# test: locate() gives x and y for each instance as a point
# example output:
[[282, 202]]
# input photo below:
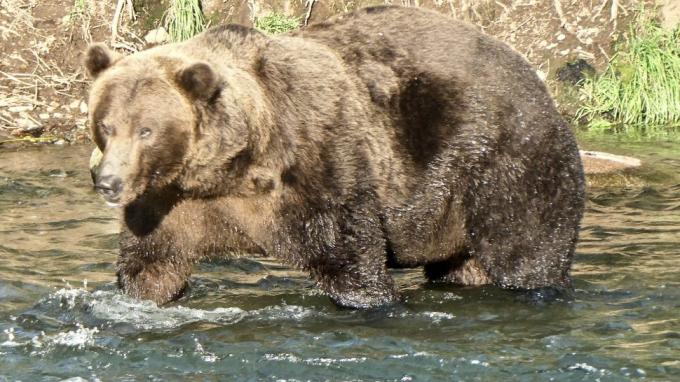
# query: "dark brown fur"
[[389, 136]]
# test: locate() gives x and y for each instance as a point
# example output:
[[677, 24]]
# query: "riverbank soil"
[[43, 86]]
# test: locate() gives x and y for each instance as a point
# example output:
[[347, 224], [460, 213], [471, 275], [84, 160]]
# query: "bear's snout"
[[109, 187]]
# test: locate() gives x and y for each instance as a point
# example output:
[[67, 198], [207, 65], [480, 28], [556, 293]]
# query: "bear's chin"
[[123, 199]]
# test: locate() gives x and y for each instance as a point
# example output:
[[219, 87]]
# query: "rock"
[[44, 116], [596, 162], [541, 74], [81, 123], [26, 124], [83, 107], [586, 35], [19, 109], [157, 36], [73, 105], [210, 6], [575, 71], [584, 55]]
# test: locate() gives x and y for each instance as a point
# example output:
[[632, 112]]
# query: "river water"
[[245, 320]]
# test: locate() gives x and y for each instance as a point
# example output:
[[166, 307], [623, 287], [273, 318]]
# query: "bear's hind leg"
[[459, 269]]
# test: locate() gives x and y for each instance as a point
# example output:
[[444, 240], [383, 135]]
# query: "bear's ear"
[[199, 80], [98, 58]]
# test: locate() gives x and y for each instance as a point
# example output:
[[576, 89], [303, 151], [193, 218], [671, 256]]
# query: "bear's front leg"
[[359, 285], [351, 265], [148, 272]]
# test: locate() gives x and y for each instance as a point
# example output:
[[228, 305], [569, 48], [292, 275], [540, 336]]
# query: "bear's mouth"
[[111, 200], [109, 191]]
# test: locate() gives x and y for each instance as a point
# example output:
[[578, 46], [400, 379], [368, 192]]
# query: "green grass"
[[80, 8], [638, 94], [184, 19], [275, 23]]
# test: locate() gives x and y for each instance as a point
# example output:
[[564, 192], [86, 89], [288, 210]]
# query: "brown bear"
[[387, 137]]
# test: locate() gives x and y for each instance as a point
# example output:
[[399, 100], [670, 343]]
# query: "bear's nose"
[[108, 186]]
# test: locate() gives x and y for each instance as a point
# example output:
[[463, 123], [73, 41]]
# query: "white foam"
[[283, 357], [68, 296], [325, 361], [286, 312], [478, 362], [316, 361], [205, 355], [78, 338], [437, 317], [146, 315], [587, 368], [10, 343]]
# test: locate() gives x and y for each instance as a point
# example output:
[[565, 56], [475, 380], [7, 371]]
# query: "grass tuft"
[[184, 19], [275, 23], [80, 9], [638, 94], [79, 6]]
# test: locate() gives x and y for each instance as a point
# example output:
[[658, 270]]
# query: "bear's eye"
[[144, 132], [106, 129]]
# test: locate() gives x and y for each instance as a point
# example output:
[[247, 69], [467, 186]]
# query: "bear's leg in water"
[[161, 279], [349, 262], [460, 269]]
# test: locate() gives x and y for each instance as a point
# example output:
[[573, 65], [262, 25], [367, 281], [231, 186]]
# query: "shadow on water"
[[254, 319]]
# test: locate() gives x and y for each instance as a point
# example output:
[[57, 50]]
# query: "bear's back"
[[432, 73]]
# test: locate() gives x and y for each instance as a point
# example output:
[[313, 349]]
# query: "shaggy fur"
[[388, 137]]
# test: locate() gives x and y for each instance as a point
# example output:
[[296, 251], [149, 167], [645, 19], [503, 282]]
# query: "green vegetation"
[[184, 19], [275, 23], [31, 139], [638, 95], [80, 8]]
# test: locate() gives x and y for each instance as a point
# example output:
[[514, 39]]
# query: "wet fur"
[[389, 136]]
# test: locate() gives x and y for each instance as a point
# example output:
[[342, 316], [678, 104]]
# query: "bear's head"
[[165, 121]]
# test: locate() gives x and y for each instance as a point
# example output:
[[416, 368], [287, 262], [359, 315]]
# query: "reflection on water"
[[61, 316]]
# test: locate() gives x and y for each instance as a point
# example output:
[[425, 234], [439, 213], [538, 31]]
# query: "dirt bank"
[[43, 88]]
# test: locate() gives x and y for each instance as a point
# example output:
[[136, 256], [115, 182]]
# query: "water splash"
[[113, 307]]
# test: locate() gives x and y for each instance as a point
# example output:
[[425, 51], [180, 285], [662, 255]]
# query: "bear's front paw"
[[145, 286]]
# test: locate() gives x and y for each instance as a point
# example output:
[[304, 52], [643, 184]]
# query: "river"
[[61, 316]]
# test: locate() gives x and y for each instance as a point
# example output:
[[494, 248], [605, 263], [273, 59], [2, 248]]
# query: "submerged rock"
[[596, 162], [610, 171]]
